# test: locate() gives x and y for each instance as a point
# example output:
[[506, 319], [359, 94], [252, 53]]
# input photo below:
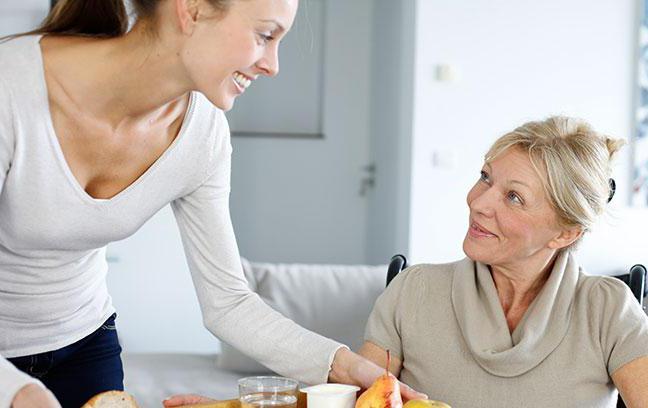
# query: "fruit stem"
[[388, 361]]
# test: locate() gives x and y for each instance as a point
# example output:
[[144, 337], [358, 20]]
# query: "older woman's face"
[[511, 219]]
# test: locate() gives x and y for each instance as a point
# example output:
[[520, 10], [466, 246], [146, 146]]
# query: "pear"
[[383, 393], [425, 404]]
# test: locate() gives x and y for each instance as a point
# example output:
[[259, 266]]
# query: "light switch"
[[443, 159], [446, 73]]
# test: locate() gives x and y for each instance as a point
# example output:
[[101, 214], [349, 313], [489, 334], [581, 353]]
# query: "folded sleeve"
[[11, 381], [623, 323], [231, 311]]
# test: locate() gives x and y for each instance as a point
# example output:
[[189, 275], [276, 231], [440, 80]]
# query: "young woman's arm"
[[231, 311]]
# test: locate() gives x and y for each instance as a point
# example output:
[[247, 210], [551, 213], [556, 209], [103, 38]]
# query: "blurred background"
[[367, 142]]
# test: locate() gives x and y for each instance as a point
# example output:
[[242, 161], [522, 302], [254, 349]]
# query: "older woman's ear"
[[566, 238]]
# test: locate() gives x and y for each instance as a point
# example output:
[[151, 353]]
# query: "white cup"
[[331, 396]]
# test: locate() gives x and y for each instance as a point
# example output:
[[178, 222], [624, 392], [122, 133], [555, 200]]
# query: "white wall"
[[20, 16], [617, 243], [515, 61]]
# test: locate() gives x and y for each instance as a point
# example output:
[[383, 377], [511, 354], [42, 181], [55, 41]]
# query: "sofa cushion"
[[332, 300]]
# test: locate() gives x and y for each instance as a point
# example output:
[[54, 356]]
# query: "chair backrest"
[[636, 280], [398, 263]]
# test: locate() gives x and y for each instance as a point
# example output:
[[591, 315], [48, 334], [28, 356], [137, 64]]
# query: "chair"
[[397, 263], [635, 279]]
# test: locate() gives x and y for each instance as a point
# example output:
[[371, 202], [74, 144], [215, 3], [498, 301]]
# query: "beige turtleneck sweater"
[[448, 328]]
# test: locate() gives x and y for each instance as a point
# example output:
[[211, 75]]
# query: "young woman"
[[99, 129]]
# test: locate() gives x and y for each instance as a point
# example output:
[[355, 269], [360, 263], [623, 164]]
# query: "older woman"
[[517, 323]]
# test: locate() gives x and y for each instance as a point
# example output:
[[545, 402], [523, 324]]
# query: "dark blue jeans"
[[77, 372]]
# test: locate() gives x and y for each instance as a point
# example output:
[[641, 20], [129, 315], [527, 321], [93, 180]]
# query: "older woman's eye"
[[483, 176], [514, 198]]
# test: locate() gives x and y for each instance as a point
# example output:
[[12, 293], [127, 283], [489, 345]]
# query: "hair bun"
[[614, 145]]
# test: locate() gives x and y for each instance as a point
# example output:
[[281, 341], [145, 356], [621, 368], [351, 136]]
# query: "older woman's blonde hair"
[[574, 162]]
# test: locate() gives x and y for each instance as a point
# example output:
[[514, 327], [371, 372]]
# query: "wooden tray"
[[234, 403]]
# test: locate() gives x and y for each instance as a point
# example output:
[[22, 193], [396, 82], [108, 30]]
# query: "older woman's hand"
[[351, 368]]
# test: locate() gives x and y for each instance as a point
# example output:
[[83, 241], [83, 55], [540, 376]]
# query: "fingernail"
[[166, 399]]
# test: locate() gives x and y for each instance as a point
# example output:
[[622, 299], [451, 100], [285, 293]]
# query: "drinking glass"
[[267, 391]]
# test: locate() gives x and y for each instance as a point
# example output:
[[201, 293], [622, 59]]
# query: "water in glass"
[[264, 399]]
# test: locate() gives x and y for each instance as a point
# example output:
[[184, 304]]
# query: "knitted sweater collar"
[[482, 322]]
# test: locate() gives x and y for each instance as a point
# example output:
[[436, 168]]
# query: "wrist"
[[341, 367], [351, 368]]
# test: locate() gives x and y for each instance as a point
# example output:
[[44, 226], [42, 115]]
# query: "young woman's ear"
[[566, 238], [187, 14]]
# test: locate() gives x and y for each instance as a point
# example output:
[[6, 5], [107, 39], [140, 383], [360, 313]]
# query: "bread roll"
[[112, 399]]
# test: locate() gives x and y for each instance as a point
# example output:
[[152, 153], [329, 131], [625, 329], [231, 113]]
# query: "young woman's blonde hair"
[[574, 162]]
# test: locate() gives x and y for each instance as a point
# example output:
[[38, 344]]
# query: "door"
[[305, 199]]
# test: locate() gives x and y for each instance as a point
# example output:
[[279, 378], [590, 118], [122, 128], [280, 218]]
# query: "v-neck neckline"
[[54, 140]]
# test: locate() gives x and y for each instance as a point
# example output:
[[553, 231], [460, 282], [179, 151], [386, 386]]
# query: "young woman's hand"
[[185, 399], [34, 396]]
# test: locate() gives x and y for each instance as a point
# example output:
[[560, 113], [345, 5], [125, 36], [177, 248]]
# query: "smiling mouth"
[[479, 231], [241, 80]]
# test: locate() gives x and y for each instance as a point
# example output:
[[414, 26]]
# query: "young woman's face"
[[511, 218], [227, 52]]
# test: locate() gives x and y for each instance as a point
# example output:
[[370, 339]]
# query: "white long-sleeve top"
[[53, 234]]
